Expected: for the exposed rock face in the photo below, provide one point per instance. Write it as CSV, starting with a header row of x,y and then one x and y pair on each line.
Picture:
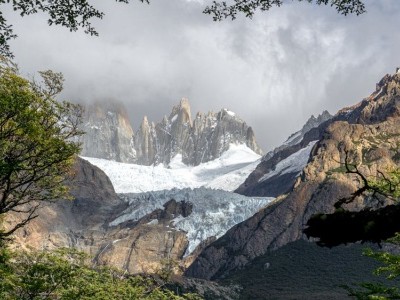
x,y
143,248
369,132
109,134
145,143
83,223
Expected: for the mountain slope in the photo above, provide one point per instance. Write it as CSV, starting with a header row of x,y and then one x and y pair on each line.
x,y
304,271
268,179
368,134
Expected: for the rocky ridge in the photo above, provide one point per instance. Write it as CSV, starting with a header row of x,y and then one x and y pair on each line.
x,y
367,134
197,141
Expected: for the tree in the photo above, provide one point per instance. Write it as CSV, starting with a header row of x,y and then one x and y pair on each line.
x,y
221,10
38,143
390,268
69,274
367,225
75,14
72,14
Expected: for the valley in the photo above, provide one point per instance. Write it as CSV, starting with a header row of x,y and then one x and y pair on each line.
x,y
234,216
199,150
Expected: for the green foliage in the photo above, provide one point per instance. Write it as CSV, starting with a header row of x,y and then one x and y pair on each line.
x,y
72,14
390,269
388,185
37,142
303,270
68,275
168,268
221,10
341,169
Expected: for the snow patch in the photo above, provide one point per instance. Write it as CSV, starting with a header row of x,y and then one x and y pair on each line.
x,y
292,138
153,222
293,163
173,119
231,113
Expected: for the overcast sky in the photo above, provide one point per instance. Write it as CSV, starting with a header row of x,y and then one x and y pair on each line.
x,y
274,71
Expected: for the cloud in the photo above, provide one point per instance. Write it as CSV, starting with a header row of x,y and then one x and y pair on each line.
x,y
274,71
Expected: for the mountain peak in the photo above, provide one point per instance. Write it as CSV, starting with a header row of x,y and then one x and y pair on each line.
x,y
204,139
181,113
228,112
145,122
313,121
184,103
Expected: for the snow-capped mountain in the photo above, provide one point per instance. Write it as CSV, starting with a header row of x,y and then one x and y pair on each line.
x,y
197,141
297,137
311,123
226,172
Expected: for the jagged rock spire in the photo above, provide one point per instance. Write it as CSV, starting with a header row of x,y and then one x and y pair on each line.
x,y
196,141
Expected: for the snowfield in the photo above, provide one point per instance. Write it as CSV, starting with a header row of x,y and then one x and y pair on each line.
x,y
293,163
226,172
214,212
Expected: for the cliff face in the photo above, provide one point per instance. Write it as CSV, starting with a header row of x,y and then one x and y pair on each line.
x,y
369,133
108,131
205,138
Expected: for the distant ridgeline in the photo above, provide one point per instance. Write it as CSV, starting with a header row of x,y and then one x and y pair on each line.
x,y
109,135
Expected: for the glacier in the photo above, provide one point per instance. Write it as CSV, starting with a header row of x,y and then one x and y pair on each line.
x,y
214,211
226,172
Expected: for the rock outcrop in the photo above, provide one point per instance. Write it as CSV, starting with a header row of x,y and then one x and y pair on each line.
x,y
108,133
367,134
205,138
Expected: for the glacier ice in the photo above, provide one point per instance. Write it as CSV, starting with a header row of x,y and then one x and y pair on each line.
x,y
214,211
